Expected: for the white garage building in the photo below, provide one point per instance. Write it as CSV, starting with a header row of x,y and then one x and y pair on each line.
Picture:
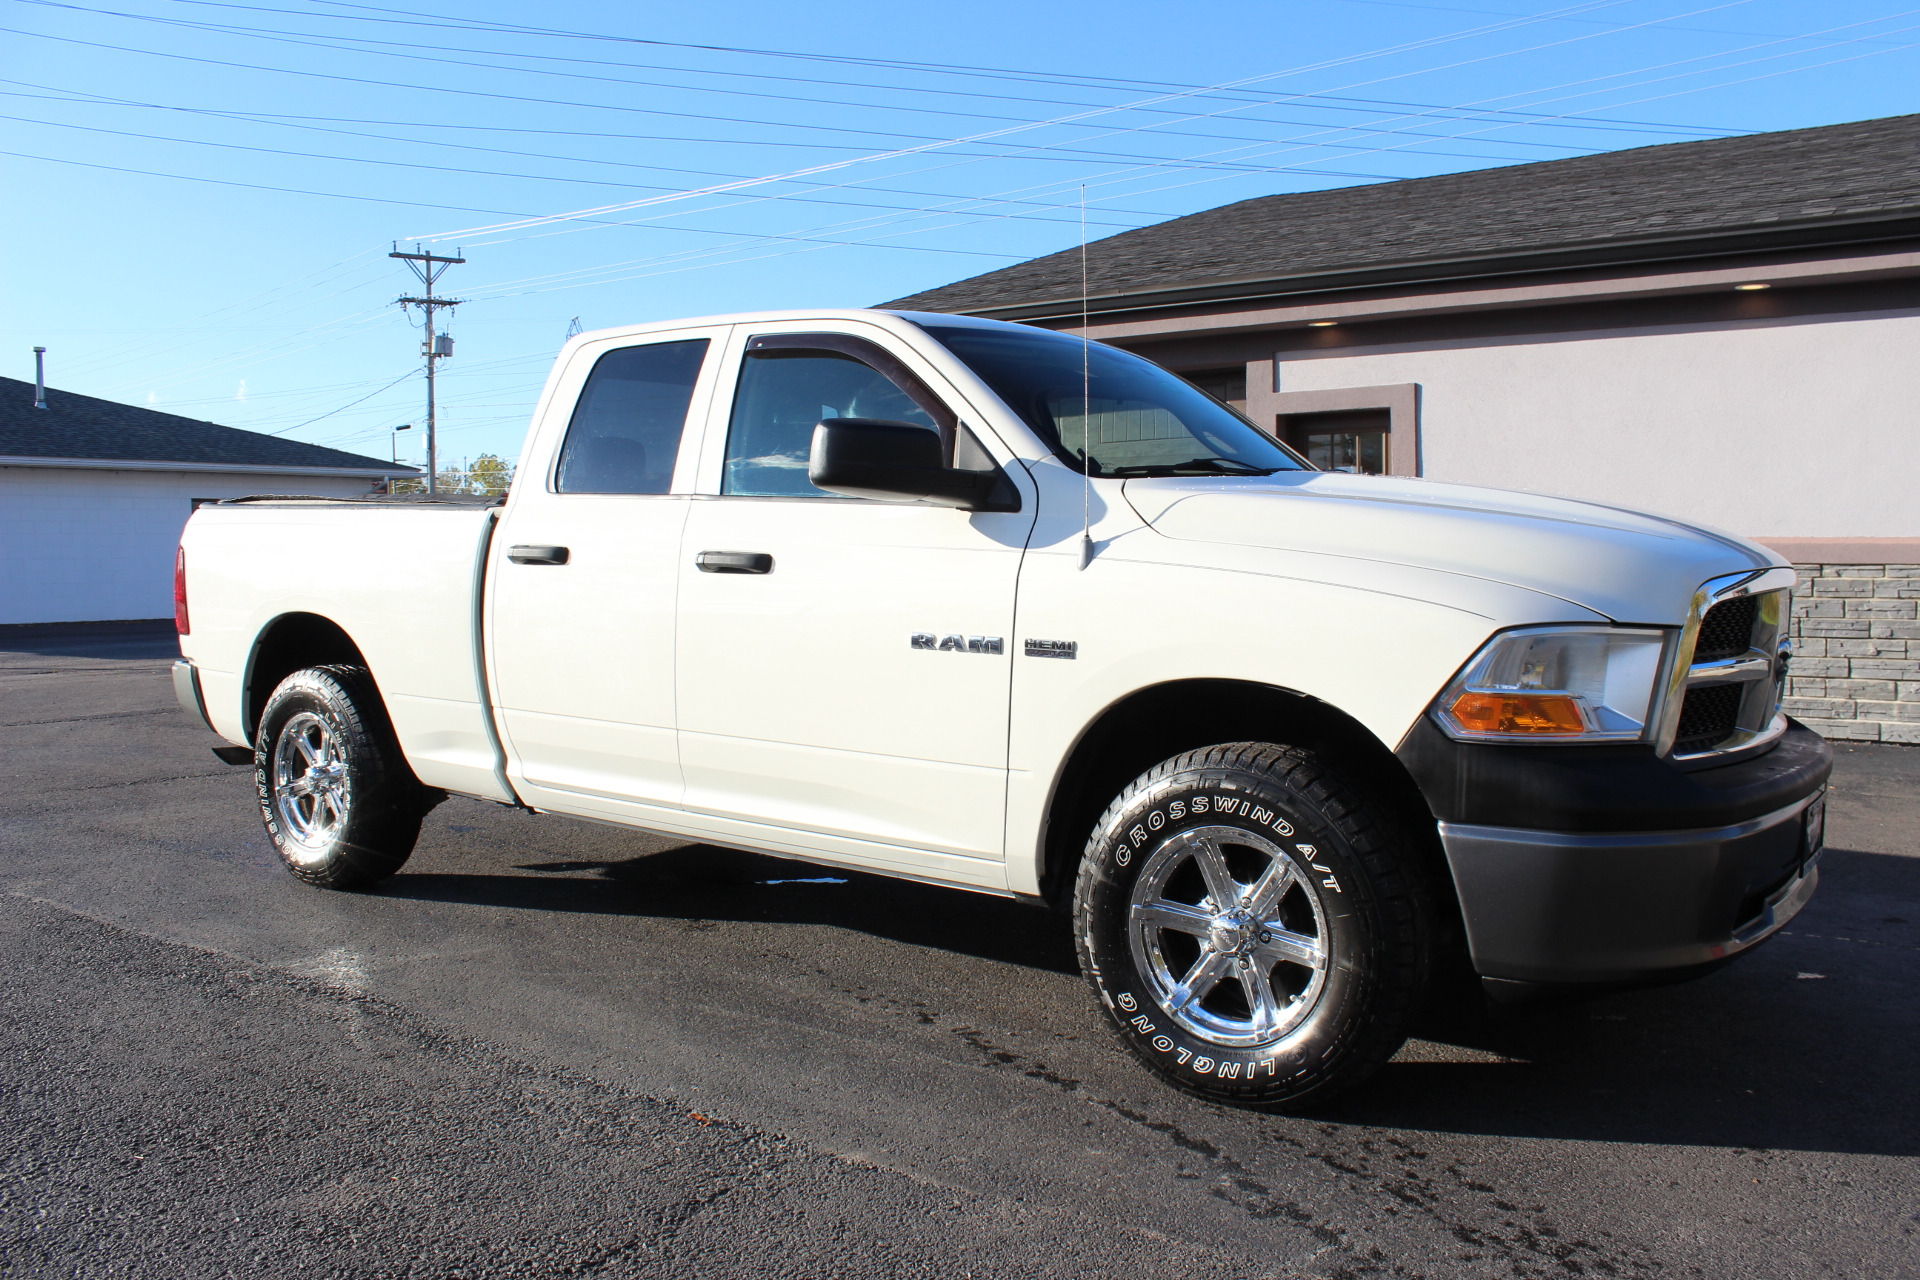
x,y
93,495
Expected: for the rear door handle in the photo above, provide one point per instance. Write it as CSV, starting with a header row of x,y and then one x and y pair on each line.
x,y
734,562
537,555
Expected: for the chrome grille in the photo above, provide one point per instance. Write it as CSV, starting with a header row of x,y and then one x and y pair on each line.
x,y
1708,717
1727,630
1725,697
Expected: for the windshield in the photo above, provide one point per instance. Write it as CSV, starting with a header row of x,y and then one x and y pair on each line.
x,y
1133,417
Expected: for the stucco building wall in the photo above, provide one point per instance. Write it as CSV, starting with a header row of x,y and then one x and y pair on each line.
x,y
1799,427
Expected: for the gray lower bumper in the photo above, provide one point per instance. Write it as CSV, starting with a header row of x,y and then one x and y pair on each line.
x,y
186,687
1553,907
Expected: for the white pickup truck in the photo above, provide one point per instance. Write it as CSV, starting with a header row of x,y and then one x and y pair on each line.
x,y
984,605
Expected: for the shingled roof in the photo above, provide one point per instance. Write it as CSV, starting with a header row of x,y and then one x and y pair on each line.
x,y
82,427
1844,183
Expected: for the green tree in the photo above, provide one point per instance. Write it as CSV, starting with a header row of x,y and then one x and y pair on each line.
x,y
489,474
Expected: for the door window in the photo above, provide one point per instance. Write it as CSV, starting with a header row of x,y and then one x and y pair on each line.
x,y
626,427
783,393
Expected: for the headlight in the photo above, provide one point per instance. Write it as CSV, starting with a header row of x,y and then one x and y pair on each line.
x,y
1556,684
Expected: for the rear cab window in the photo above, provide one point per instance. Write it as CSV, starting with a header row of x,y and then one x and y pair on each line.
x,y
624,436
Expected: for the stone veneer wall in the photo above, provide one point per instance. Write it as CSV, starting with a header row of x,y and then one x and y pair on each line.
x,y
1856,651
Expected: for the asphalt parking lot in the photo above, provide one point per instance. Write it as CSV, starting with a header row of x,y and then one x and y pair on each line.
x,y
550,1048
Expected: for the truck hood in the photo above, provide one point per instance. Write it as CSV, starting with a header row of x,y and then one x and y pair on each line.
x,y
1626,565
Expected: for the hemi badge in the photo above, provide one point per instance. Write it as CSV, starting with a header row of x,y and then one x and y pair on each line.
x,y
1053,648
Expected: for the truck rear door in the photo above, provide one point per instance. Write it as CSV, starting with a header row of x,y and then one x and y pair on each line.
x,y
584,569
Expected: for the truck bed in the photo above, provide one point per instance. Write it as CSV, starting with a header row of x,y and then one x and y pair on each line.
x,y
413,564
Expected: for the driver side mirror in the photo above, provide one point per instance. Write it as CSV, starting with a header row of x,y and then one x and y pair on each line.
x,y
901,462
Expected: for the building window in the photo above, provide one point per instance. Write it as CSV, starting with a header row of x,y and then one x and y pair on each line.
x,y
1354,442
1361,430
1226,385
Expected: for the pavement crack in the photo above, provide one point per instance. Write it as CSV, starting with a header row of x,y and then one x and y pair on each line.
x,y
104,715
1834,937
1523,1246
136,782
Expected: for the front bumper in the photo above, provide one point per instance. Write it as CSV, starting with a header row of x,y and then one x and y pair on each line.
x,y
1559,907
1609,864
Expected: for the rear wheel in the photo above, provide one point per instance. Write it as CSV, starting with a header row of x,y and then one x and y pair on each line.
x,y
1258,931
340,804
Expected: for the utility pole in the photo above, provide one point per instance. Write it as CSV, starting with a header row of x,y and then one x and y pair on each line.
x,y
429,267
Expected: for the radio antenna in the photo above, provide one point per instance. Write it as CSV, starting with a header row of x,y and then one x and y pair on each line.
x,y
1086,402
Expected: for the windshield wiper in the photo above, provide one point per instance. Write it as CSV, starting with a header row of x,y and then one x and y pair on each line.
x,y
1221,466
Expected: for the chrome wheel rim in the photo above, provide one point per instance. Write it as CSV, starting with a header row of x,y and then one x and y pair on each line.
x,y
1229,935
311,790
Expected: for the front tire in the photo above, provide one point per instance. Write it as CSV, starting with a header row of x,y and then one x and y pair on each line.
x,y
1258,931
340,804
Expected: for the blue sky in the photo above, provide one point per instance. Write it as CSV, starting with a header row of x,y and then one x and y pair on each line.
x,y
201,195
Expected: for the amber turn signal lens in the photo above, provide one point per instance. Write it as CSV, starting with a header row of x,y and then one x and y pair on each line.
x,y
1542,713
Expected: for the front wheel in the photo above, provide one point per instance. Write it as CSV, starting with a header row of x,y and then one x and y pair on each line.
x,y
340,804
1258,931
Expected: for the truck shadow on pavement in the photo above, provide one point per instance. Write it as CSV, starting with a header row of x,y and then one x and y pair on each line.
x,y
1810,1043
697,882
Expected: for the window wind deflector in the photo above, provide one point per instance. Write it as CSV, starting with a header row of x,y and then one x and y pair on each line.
x,y
876,357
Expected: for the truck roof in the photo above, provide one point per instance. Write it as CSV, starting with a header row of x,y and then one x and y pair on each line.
x,y
870,315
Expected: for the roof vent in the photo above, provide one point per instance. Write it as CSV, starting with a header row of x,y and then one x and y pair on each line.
x,y
39,377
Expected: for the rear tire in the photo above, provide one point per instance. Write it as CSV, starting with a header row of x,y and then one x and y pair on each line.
x,y
1259,932
340,804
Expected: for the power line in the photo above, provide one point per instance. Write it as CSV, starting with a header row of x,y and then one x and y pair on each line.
x,y
1060,79
236,310
1505,115
1060,155
1062,152
343,408
421,204
589,215
430,88
410,52
413,18
1511,23
1707,71
1436,8
992,134
336,194
483,173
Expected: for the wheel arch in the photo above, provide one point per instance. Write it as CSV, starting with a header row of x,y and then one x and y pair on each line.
x,y
1154,723
285,645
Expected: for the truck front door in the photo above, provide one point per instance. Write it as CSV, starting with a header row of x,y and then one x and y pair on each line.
x,y
844,664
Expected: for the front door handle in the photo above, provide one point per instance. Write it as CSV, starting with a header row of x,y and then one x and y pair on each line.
x,y
734,562
537,555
